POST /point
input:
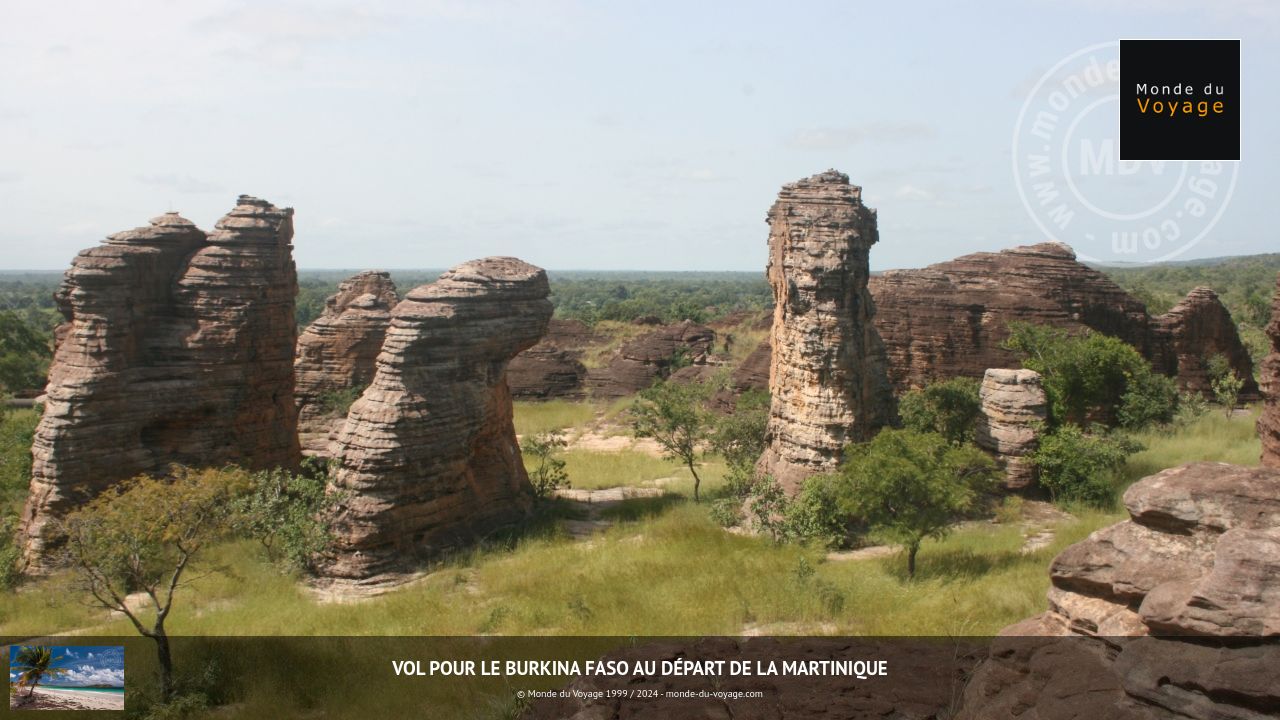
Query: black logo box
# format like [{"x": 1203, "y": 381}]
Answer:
[{"x": 1187, "y": 68}]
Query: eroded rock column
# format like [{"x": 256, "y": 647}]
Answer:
[
  {"x": 1013, "y": 411},
  {"x": 177, "y": 347},
  {"x": 427, "y": 456},
  {"x": 827, "y": 376}
]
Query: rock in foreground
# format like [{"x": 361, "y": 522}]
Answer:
[
  {"x": 427, "y": 457},
  {"x": 177, "y": 347},
  {"x": 1174, "y": 613},
  {"x": 827, "y": 380}
]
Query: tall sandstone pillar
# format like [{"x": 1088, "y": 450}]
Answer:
[
  {"x": 177, "y": 347},
  {"x": 1269, "y": 423},
  {"x": 827, "y": 378},
  {"x": 427, "y": 458}
]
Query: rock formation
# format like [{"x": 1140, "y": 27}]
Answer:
[
  {"x": 950, "y": 319},
  {"x": 553, "y": 368},
  {"x": 1013, "y": 409},
  {"x": 651, "y": 357},
  {"x": 827, "y": 379},
  {"x": 336, "y": 354},
  {"x": 427, "y": 457},
  {"x": 1269, "y": 423},
  {"x": 1190, "y": 334},
  {"x": 1174, "y": 613},
  {"x": 177, "y": 348}
]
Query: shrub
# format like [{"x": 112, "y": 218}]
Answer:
[
  {"x": 10, "y": 552},
  {"x": 739, "y": 438},
  {"x": 726, "y": 512},
  {"x": 1093, "y": 377},
  {"x": 1079, "y": 466},
  {"x": 947, "y": 407},
  {"x": 814, "y": 515},
  {"x": 337, "y": 403},
  {"x": 286, "y": 512},
  {"x": 548, "y": 472}
]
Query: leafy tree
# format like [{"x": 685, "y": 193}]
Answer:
[
  {"x": 548, "y": 474},
  {"x": 1079, "y": 466},
  {"x": 32, "y": 663},
  {"x": 24, "y": 353},
  {"x": 675, "y": 415},
  {"x": 1224, "y": 382},
  {"x": 286, "y": 512},
  {"x": 909, "y": 485},
  {"x": 947, "y": 407},
  {"x": 142, "y": 536},
  {"x": 739, "y": 438},
  {"x": 1093, "y": 377}
]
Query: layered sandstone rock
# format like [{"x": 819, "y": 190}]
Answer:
[
  {"x": 1193, "y": 332},
  {"x": 827, "y": 379},
  {"x": 650, "y": 357},
  {"x": 1013, "y": 412},
  {"x": 951, "y": 319},
  {"x": 336, "y": 354},
  {"x": 1269, "y": 423},
  {"x": 1172, "y": 613},
  {"x": 553, "y": 368},
  {"x": 177, "y": 348},
  {"x": 427, "y": 457}
]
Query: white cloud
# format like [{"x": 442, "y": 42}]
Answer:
[{"x": 90, "y": 675}]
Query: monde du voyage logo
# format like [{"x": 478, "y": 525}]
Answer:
[{"x": 1126, "y": 150}]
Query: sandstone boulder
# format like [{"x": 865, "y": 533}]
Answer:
[
  {"x": 1193, "y": 332},
  {"x": 1269, "y": 422},
  {"x": 427, "y": 458},
  {"x": 827, "y": 379},
  {"x": 337, "y": 352},
  {"x": 1174, "y": 613},
  {"x": 1013, "y": 412},
  {"x": 177, "y": 347},
  {"x": 553, "y": 368},
  {"x": 652, "y": 356}
]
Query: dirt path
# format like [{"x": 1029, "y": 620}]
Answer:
[{"x": 595, "y": 502}]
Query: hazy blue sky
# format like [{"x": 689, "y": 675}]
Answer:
[{"x": 609, "y": 135}]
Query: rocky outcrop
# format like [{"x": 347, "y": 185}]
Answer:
[
  {"x": 177, "y": 347},
  {"x": 427, "y": 457},
  {"x": 1269, "y": 422},
  {"x": 651, "y": 357},
  {"x": 1188, "y": 336},
  {"x": 1174, "y": 613},
  {"x": 553, "y": 368},
  {"x": 827, "y": 379},
  {"x": 1012, "y": 414},
  {"x": 951, "y": 319},
  {"x": 336, "y": 354}
]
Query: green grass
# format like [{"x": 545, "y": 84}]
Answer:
[
  {"x": 1210, "y": 437},
  {"x": 536, "y": 417}
]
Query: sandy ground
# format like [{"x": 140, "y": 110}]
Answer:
[{"x": 46, "y": 699}]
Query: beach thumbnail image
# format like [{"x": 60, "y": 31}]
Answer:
[{"x": 66, "y": 677}]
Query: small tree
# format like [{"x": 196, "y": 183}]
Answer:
[
  {"x": 32, "y": 663},
  {"x": 909, "y": 485},
  {"x": 675, "y": 416},
  {"x": 947, "y": 407},
  {"x": 1080, "y": 467},
  {"x": 548, "y": 472},
  {"x": 1224, "y": 382},
  {"x": 143, "y": 535},
  {"x": 739, "y": 438}
]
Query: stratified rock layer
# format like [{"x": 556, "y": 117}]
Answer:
[
  {"x": 951, "y": 319},
  {"x": 177, "y": 348},
  {"x": 1193, "y": 332},
  {"x": 336, "y": 353},
  {"x": 1269, "y": 422},
  {"x": 1174, "y": 613},
  {"x": 553, "y": 368},
  {"x": 644, "y": 360},
  {"x": 427, "y": 458},
  {"x": 1013, "y": 410},
  {"x": 827, "y": 378}
]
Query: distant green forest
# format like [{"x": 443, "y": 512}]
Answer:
[{"x": 1245, "y": 284}]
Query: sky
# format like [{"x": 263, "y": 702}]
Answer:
[
  {"x": 575, "y": 135},
  {"x": 84, "y": 665}
]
